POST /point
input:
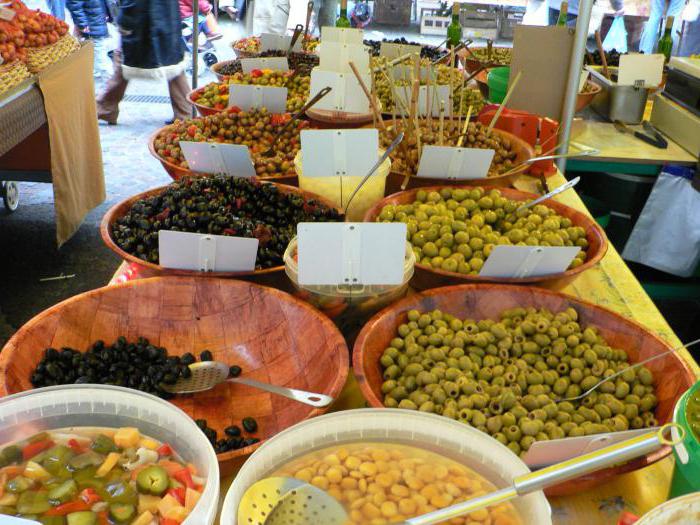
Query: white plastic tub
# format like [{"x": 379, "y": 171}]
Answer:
[
  {"x": 27, "y": 413},
  {"x": 451, "y": 438},
  {"x": 679, "y": 511}
]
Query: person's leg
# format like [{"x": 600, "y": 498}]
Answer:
[
  {"x": 57, "y": 8},
  {"x": 650, "y": 33},
  {"x": 179, "y": 88},
  {"x": 108, "y": 101},
  {"x": 212, "y": 25},
  {"x": 240, "y": 8},
  {"x": 102, "y": 67},
  {"x": 675, "y": 9}
]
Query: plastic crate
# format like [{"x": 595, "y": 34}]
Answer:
[{"x": 392, "y": 12}]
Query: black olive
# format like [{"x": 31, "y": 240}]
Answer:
[
  {"x": 51, "y": 354},
  {"x": 211, "y": 434},
  {"x": 250, "y": 441},
  {"x": 234, "y": 371},
  {"x": 233, "y": 431},
  {"x": 187, "y": 359},
  {"x": 201, "y": 423},
  {"x": 234, "y": 443},
  {"x": 249, "y": 424},
  {"x": 206, "y": 355},
  {"x": 185, "y": 372}
]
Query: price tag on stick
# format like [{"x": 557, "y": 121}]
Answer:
[
  {"x": 336, "y": 152},
  {"x": 351, "y": 253},
  {"x": 391, "y": 50},
  {"x": 271, "y": 41},
  {"x": 273, "y": 63},
  {"x": 346, "y": 95},
  {"x": 454, "y": 163},
  {"x": 248, "y": 97},
  {"x": 206, "y": 253},
  {"x": 528, "y": 261},
  {"x": 213, "y": 157},
  {"x": 335, "y": 56},
  {"x": 441, "y": 92},
  {"x": 342, "y": 35}
]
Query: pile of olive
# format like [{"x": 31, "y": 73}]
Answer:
[
  {"x": 219, "y": 205},
  {"x": 406, "y": 160},
  {"x": 429, "y": 52},
  {"x": 612, "y": 58},
  {"x": 230, "y": 68},
  {"x": 443, "y": 76},
  {"x": 499, "y": 55},
  {"x": 255, "y": 129},
  {"x": 233, "y": 438},
  {"x": 297, "y": 85},
  {"x": 456, "y": 229},
  {"x": 508, "y": 377}
]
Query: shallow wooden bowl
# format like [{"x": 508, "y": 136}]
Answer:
[
  {"x": 271, "y": 335},
  {"x": 216, "y": 67},
  {"x": 471, "y": 64},
  {"x": 523, "y": 152},
  {"x": 426, "y": 277},
  {"x": 177, "y": 172},
  {"x": 274, "y": 276},
  {"x": 327, "y": 118},
  {"x": 201, "y": 108},
  {"x": 481, "y": 301},
  {"x": 584, "y": 99}
]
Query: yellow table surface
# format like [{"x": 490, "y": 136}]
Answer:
[
  {"x": 610, "y": 284},
  {"x": 623, "y": 147}
]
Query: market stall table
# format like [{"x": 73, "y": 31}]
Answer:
[{"x": 610, "y": 284}]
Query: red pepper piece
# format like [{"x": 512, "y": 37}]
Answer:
[
  {"x": 75, "y": 446},
  {"x": 32, "y": 449},
  {"x": 90, "y": 496},
  {"x": 67, "y": 508},
  {"x": 178, "y": 494},
  {"x": 165, "y": 450},
  {"x": 185, "y": 477}
]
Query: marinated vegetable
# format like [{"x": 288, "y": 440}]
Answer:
[
  {"x": 507, "y": 377},
  {"x": 692, "y": 414},
  {"x": 455, "y": 229},
  {"x": 220, "y": 205},
  {"x": 255, "y": 129},
  {"x": 380, "y": 483},
  {"x": 91, "y": 476}
]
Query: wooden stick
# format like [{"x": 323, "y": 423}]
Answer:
[
  {"x": 464, "y": 129},
  {"x": 375, "y": 110},
  {"x": 505, "y": 101},
  {"x": 391, "y": 63},
  {"x": 461, "y": 102},
  {"x": 603, "y": 59},
  {"x": 442, "y": 122}
]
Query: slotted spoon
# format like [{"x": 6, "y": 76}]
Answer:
[
  {"x": 207, "y": 374},
  {"x": 288, "y": 501}
]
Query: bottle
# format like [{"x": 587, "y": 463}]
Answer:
[
  {"x": 563, "y": 14},
  {"x": 665, "y": 45},
  {"x": 343, "y": 20},
  {"x": 454, "y": 30}
]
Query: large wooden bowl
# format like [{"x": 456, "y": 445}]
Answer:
[
  {"x": 523, "y": 152},
  {"x": 672, "y": 374},
  {"x": 274, "y": 276},
  {"x": 177, "y": 172},
  {"x": 272, "y": 336},
  {"x": 426, "y": 277},
  {"x": 201, "y": 108}
]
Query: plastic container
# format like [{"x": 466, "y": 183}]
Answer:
[
  {"x": 498, "y": 84},
  {"x": 685, "y": 471},
  {"x": 338, "y": 189},
  {"x": 24, "y": 414},
  {"x": 350, "y": 306},
  {"x": 679, "y": 511},
  {"x": 453, "y": 439}
]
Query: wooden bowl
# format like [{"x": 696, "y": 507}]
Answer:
[
  {"x": 338, "y": 119},
  {"x": 584, "y": 99},
  {"x": 673, "y": 376},
  {"x": 426, "y": 277},
  {"x": 523, "y": 152},
  {"x": 176, "y": 172},
  {"x": 216, "y": 67},
  {"x": 273, "y": 337},
  {"x": 471, "y": 64},
  {"x": 274, "y": 276},
  {"x": 201, "y": 108}
]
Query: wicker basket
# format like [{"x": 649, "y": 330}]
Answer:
[
  {"x": 12, "y": 74},
  {"x": 39, "y": 58}
]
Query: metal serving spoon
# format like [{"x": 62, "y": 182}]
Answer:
[
  {"x": 396, "y": 142},
  {"x": 632, "y": 367},
  {"x": 573, "y": 182},
  {"x": 207, "y": 374},
  {"x": 270, "y": 152},
  {"x": 288, "y": 501}
]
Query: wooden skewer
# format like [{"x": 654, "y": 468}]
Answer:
[
  {"x": 442, "y": 123},
  {"x": 505, "y": 101},
  {"x": 375, "y": 110},
  {"x": 603, "y": 59},
  {"x": 461, "y": 102},
  {"x": 464, "y": 129}
]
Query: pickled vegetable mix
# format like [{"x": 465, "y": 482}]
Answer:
[{"x": 96, "y": 476}]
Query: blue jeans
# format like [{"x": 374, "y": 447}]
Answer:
[
  {"x": 651, "y": 33},
  {"x": 57, "y": 8}
]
